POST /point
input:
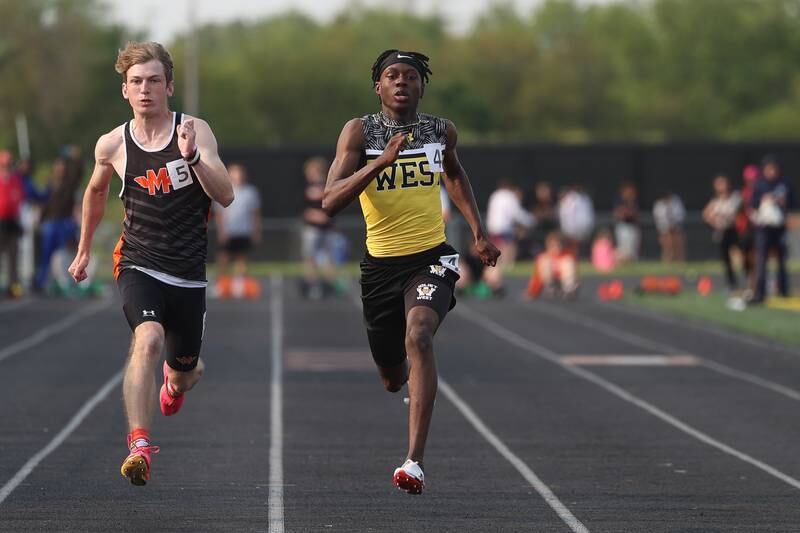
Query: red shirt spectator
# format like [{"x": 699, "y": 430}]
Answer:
[{"x": 12, "y": 190}]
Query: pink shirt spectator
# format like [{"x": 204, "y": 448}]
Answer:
[{"x": 604, "y": 258}]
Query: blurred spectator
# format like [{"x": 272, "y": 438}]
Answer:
[
  {"x": 451, "y": 221},
  {"x": 604, "y": 256},
  {"x": 12, "y": 196},
  {"x": 745, "y": 227},
  {"x": 503, "y": 215},
  {"x": 773, "y": 197},
  {"x": 669, "y": 215},
  {"x": 58, "y": 226},
  {"x": 238, "y": 225},
  {"x": 545, "y": 209},
  {"x": 554, "y": 270},
  {"x": 29, "y": 217},
  {"x": 720, "y": 213},
  {"x": 626, "y": 228},
  {"x": 32, "y": 194},
  {"x": 318, "y": 238},
  {"x": 576, "y": 218}
]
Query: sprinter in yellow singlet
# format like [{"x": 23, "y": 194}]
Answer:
[{"x": 395, "y": 161}]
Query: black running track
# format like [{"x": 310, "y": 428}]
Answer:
[{"x": 291, "y": 431}]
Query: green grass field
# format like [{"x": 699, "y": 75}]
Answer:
[{"x": 761, "y": 321}]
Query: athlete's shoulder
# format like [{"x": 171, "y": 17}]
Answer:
[
  {"x": 352, "y": 134},
  {"x": 439, "y": 124},
  {"x": 372, "y": 118},
  {"x": 354, "y": 123},
  {"x": 109, "y": 144}
]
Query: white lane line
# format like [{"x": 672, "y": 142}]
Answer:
[
  {"x": 13, "y": 306},
  {"x": 530, "y": 476},
  {"x": 62, "y": 435},
  {"x": 630, "y": 360},
  {"x": 648, "y": 344},
  {"x": 543, "y": 353},
  {"x": 276, "y": 411},
  {"x": 52, "y": 329}
]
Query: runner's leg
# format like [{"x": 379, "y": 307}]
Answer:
[{"x": 421, "y": 324}]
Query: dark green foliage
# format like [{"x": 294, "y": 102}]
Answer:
[{"x": 568, "y": 71}]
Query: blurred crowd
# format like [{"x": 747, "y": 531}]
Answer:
[
  {"x": 747, "y": 217},
  {"x": 38, "y": 223},
  {"x": 239, "y": 231},
  {"x": 750, "y": 222}
]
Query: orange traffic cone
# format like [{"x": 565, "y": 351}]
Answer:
[
  {"x": 704, "y": 286},
  {"x": 615, "y": 290}
]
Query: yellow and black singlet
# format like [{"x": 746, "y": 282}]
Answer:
[{"x": 402, "y": 205}]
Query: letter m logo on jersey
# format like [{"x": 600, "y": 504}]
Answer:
[{"x": 153, "y": 182}]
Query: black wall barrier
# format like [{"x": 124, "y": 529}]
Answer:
[{"x": 685, "y": 168}]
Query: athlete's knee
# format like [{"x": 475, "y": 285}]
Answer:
[
  {"x": 419, "y": 338},
  {"x": 148, "y": 341}
]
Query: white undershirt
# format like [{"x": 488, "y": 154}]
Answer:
[{"x": 172, "y": 280}]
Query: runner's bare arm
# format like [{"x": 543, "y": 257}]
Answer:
[
  {"x": 460, "y": 191},
  {"x": 106, "y": 151},
  {"x": 194, "y": 133},
  {"x": 345, "y": 180}
]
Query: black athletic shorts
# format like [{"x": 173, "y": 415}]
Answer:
[
  {"x": 391, "y": 286},
  {"x": 180, "y": 310}
]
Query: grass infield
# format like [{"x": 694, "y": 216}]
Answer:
[{"x": 761, "y": 321}]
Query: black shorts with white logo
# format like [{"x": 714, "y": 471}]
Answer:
[
  {"x": 391, "y": 286},
  {"x": 180, "y": 310}
]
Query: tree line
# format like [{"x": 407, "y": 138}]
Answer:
[{"x": 567, "y": 71}]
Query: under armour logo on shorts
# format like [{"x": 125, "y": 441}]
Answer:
[
  {"x": 425, "y": 291},
  {"x": 188, "y": 360},
  {"x": 146, "y": 313}
]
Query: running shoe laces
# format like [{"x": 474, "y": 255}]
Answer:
[{"x": 136, "y": 467}]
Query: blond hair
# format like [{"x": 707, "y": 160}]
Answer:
[{"x": 136, "y": 53}]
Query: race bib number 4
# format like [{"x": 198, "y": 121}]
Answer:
[
  {"x": 434, "y": 153},
  {"x": 179, "y": 174}
]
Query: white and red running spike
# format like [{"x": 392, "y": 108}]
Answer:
[{"x": 409, "y": 477}]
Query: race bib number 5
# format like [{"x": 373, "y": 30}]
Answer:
[{"x": 179, "y": 174}]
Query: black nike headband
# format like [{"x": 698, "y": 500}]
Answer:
[{"x": 400, "y": 57}]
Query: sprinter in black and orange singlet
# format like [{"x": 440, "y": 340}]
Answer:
[
  {"x": 170, "y": 174},
  {"x": 396, "y": 161}
]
